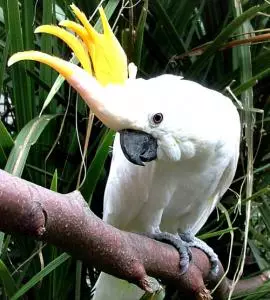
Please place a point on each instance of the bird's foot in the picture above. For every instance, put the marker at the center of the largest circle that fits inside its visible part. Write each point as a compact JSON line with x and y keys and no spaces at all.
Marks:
{"x":179,"y":244}
{"x":182,"y":243}
{"x":190,"y":240}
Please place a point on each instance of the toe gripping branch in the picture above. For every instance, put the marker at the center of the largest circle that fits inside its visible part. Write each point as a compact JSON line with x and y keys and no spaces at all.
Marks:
{"x":179,"y":244}
{"x":192,"y":241}
{"x":183,"y":243}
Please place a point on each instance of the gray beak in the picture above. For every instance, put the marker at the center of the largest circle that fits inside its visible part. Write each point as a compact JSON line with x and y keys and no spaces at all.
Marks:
{"x":138,"y":146}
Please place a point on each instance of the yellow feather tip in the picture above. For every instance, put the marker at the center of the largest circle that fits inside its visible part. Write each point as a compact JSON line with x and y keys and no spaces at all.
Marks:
{"x":61,"y":66}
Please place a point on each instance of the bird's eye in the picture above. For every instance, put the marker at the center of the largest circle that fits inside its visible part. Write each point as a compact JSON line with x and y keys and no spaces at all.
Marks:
{"x":157,"y":118}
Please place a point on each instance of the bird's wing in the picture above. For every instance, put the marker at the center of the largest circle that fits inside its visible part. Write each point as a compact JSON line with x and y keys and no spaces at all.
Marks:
{"x":228,"y":174}
{"x":222,"y":186}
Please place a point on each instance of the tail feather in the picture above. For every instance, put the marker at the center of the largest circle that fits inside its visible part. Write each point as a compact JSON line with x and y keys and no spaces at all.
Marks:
{"x":110,"y":287}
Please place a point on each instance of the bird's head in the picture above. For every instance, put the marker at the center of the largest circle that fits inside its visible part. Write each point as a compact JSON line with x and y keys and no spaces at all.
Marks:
{"x":170,"y":118}
{"x":163,"y":118}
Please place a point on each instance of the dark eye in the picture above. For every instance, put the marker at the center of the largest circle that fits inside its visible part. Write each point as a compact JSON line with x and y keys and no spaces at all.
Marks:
{"x":157,"y":118}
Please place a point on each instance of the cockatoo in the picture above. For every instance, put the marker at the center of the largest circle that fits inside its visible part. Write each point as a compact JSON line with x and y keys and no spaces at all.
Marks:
{"x":174,"y":157}
{"x":175,"y":151}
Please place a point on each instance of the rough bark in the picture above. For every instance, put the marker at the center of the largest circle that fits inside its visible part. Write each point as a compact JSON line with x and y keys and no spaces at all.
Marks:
{"x":67,"y":222}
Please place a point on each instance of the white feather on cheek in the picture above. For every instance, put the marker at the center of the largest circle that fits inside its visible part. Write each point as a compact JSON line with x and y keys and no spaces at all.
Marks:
{"x":188,"y":149}
{"x":168,"y":148}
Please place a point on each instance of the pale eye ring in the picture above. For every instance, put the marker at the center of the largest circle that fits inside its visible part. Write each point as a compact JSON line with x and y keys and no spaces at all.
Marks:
{"x":157,"y":118}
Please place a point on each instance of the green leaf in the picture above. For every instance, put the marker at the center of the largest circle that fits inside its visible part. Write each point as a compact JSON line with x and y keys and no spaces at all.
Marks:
{"x":20,"y":81}
{"x":216,"y":233}
{"x":251,"y":82}
{"x":4,"y":62}
{"x":27,"y":137}
{"x":6,"y":143}
{"x":27,"y":11}
{"x":55,"y":88}
{"x":7,"y":280}
{"x":4,"y":242}
{"x":2,"y":237}
{"x":46,"y":45}
{"x":40,"y":275}
{"x":263,"y":265}
{"x":95,"y":170}
{"x":54,"y":183}
{"x":139,"y":35}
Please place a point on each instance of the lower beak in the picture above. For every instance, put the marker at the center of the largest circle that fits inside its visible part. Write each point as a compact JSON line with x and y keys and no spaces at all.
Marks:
{"x":138,"y":146}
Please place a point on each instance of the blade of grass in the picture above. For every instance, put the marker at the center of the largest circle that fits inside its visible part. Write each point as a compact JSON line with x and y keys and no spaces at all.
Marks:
{"x":4,"y":62}
{"x":3,"y":251}
{"x":27,"y":137}
{"x":139,"y":35}
{"x":251,"y":82}
{"x":194,"y":25}
{"x":209,"y":235}
{"x":262,"y":263}
{"x":20,"y":81}
{"x":54,"y":183}
{"x":7,"y":280}
{"x":27,"y":8}
{"x":2,"y":237}
{"x":95,"y":170}
{"x":6,"y":143}
{"x":52,"y":249}
{"x":46,"y":44}
{"x":40,"y":275}
{"x":78,"y":280}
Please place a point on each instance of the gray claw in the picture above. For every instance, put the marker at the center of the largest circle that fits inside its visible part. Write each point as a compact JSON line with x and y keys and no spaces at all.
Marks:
{"x":192,"y":241}
{"x":185,"y":254}
{"x":183,"y":243}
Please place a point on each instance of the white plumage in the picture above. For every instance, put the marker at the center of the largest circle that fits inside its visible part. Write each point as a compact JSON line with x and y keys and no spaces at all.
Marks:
{"x":198,"y":147}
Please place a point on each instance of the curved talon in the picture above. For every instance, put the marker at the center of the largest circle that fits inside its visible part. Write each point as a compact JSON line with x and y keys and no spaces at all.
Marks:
{"x":182,"y":243}
{"x":192,"y":241}
{"x":185,"y":257}
{"x":214,"y":266}
{"x":179,"y":244}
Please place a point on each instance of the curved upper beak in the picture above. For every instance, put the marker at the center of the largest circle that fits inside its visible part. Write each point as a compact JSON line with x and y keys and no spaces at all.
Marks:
{"x":138,"y":146}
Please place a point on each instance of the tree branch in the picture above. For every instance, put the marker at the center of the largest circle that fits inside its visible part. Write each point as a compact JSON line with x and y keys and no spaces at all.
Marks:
{"x":67,"y":222}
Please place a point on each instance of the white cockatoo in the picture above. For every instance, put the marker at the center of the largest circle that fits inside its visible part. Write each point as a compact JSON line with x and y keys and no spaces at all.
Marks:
{"x":174,"y":157}
{"x":175,"y":151}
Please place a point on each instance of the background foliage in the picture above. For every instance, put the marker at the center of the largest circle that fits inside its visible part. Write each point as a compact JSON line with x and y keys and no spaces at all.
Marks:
{"x":159,"y":37}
